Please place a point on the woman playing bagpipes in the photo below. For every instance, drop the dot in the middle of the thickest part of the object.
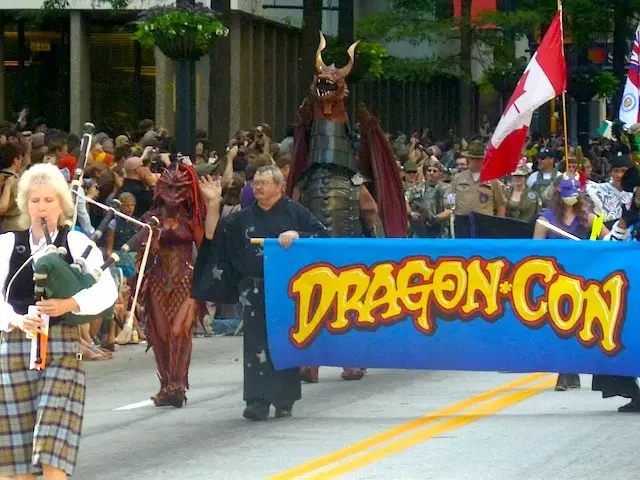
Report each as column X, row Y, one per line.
column 41, row 409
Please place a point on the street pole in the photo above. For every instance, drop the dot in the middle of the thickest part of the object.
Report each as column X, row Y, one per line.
column 186, row 101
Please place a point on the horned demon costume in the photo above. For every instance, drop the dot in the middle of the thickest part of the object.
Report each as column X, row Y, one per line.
column 342, row 189
column 165, row 295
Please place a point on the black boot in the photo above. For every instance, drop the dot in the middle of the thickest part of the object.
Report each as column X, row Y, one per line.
column 574, row 380
column 632, row 407
column 562, row 383
column 256, row 411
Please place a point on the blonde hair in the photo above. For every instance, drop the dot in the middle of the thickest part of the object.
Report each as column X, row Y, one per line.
column 127, row 197
column 45, row 174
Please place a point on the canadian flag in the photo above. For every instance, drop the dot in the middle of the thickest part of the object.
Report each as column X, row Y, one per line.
column 544, row 78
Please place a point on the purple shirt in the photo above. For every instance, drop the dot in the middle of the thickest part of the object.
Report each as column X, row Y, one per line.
column 576, row 228
column 247, row 198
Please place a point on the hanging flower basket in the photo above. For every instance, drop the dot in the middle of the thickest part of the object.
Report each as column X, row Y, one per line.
column 504, row 77
column 185, row 32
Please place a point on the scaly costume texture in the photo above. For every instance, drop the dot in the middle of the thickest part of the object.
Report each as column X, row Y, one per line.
column 165, row 295
column 342, row 189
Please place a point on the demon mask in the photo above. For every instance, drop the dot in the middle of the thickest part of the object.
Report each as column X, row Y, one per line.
column 176, row 185
column 329, row 84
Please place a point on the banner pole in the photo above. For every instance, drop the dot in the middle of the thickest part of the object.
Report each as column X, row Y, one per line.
column 564, row 98
column 256, row 241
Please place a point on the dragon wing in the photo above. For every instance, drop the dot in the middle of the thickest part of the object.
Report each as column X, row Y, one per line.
column 376, row 160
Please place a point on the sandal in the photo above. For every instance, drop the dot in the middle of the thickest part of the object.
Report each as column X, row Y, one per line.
column 92, row 356
column 95, row 349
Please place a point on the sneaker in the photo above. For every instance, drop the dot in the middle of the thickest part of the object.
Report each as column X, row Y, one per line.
column 574, row 380
column 283, row 412
column 562, row 383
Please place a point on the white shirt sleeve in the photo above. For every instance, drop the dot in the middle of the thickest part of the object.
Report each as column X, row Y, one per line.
column 532, row 179
column 83, row 216
column 103, row 294
column 7, row 243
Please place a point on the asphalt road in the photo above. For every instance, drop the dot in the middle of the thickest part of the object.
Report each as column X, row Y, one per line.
column 390, row 425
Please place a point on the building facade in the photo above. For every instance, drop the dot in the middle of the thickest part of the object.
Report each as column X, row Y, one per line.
column 83, row 64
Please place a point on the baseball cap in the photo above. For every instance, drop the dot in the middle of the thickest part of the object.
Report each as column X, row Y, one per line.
column 544, row 153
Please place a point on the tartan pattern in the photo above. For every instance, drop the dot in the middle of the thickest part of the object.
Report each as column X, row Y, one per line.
column 40, row 412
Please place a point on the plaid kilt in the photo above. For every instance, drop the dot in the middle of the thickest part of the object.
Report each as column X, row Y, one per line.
column 40, row 412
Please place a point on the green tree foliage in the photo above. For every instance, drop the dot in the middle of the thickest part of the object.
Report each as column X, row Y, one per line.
column 417, row 21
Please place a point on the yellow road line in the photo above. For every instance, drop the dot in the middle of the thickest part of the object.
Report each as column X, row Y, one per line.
column 327, row 460
column 477, row 413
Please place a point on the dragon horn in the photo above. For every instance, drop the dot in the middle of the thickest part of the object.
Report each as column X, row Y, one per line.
column 319, row 62
column 346, row 70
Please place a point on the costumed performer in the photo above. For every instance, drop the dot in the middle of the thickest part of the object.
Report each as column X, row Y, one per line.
column 229, row 269
column 165, row 293
column 41, row 410
column 353, row 196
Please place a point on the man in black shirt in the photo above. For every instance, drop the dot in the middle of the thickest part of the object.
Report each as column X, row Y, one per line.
column 139, row 181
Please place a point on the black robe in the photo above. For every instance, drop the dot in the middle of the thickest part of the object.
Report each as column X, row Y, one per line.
column 229, row 269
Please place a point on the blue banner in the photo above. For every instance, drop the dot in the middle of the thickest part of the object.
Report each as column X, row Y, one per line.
column 476, row 305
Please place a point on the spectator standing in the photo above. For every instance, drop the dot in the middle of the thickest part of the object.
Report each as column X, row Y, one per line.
column 522, row 202
column 12, row 166
column 472, row 195
column 139, row 181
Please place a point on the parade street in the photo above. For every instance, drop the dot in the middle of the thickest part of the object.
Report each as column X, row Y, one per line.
column 391, row 425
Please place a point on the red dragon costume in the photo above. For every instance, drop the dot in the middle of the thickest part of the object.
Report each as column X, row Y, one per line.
column 165, row 295
column 344, row 190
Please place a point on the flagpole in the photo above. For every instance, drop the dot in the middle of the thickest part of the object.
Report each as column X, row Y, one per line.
column 564, row 98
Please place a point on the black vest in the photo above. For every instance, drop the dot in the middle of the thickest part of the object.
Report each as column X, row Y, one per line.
column 22, row 293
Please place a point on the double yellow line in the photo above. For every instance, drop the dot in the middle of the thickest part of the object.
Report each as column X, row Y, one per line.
column 349, row 459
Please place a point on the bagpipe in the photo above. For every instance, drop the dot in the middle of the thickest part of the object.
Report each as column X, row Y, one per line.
column 54, row 277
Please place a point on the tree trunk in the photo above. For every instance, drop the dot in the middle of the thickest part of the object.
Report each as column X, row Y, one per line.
column 311, row 25
column 219, row 124
column 466, row 120
column 346, row 29
column 621, row 34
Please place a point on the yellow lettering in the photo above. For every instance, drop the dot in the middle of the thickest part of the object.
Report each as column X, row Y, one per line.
column 560, row 289
column 383, row 281
column 485, row 284
column 444, row 283
column 607, row 315
column 356, row 280
column 355, row 296
column 522, row 290
column 421, row 291
column 320, row 281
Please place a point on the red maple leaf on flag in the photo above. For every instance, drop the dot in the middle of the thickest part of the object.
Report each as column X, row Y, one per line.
column 518, row 92
column 547, row 70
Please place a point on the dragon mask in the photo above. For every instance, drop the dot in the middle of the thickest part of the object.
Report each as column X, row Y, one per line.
column 329, row 84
